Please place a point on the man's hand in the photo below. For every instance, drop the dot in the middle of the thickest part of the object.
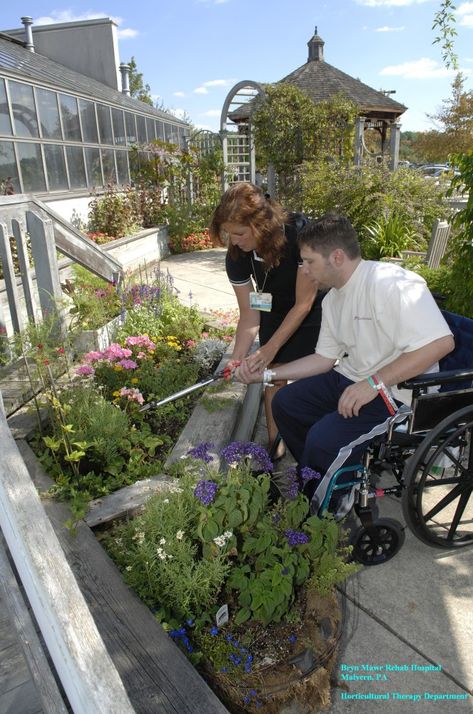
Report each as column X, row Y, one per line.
column 246, row 374
column 354, row 397
column 260, row 359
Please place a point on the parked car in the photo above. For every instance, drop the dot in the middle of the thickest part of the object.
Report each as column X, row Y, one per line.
column 437, row 171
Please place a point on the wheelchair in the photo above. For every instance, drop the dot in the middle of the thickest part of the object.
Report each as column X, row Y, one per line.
column 426, row 452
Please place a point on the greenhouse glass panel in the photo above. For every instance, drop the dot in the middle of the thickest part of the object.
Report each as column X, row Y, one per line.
column 151, row 129
column 130, row 128
column 48, row 113
column 24, row 112
column 70, row 117
column 75, row 163
column 160, row 130
column 8, row 168
column 108, row 163
column 118, row 127
column 105, row 124
column 122, row 167
column 89, row 121
column 31, row 167
column 55, row 167
column 5, row 122
column 94, row 167
column 168, row 132
column 141, row 129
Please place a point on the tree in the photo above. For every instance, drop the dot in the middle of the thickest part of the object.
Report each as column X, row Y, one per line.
column 455, row 120
column 138, row 89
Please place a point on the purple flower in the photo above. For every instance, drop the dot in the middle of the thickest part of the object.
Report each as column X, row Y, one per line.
column 308, row 474
column 206, row 491
column 292, row 483
column 292, row 639
column 235, row 659
column 235, row 452
column 296, row 537
column 214, row 631
column 201, row 452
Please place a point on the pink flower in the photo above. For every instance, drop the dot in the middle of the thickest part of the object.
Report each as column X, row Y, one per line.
column 93, row 356
column 85, row 370
column 127, row 364
column 140, row 355
column 140, row 341
column 132, row 394
column 116, row 351
column 191, row 343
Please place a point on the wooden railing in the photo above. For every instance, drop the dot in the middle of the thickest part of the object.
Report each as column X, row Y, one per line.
column 30, row 270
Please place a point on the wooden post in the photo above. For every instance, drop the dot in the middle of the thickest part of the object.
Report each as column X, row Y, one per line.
column 43, row 249
column 10, row 279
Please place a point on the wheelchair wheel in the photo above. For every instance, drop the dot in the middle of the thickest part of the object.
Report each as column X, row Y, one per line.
column 377, row 543
column 438, row 502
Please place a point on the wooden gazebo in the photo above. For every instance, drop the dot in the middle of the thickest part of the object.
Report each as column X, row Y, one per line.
column 321, row 81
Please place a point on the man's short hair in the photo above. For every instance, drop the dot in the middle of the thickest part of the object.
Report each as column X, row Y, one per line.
column 328, row 233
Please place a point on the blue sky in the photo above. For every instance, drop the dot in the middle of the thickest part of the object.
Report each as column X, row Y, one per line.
column 191, row 52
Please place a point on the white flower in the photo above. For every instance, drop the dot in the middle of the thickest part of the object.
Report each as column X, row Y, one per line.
column 118, row 541
column 162, row 541
column 128, row 568
column 139, row 537
column 228, row 535
column 180, row 535
column 220, row 541
column 161, row 553
column 166, row 500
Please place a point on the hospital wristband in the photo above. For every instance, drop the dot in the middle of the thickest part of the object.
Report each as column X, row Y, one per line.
column 377, row 383
column 268, row 375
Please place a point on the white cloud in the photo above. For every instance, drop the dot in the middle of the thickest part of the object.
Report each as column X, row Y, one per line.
column 389, row 3
column 127, row 33
column 211, row 113
column 178, row 94
column 423, row 68
column 201, row 90
column 390, row 29
column 219, row 82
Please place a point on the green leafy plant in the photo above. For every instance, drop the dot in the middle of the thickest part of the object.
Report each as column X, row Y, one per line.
column 388, row 237
column 115, row 213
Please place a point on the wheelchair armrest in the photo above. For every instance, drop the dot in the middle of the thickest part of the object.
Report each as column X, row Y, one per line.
column 436, row 378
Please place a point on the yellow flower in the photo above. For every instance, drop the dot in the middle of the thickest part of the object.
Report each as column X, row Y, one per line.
column 134, row 380
column 116, row 394
column 118, row 368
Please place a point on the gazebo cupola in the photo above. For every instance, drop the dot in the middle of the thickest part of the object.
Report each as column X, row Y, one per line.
column 316, row 48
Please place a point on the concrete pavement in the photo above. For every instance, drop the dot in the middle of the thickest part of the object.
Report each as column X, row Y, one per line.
column 407, row 644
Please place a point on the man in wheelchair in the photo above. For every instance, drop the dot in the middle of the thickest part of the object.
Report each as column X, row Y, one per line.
column 380, row 328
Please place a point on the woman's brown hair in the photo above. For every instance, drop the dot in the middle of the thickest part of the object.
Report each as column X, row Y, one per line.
column 246, row 203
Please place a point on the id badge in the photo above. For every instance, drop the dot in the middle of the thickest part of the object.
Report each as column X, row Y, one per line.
column 261, row 301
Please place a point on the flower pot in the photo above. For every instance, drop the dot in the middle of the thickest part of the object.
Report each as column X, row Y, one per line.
column 96, row 340
column 300, row 677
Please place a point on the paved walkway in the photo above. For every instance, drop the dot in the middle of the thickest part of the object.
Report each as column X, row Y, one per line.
column 408, row 634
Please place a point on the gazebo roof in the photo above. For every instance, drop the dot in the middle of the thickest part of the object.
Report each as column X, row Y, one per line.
column 322, row 81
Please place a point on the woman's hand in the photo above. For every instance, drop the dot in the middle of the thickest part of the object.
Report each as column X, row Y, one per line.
column 259, row 360
column 244, row 374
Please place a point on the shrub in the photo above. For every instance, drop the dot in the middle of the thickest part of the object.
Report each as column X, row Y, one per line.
column 199, row 240
column 367, row 195
column 116, row 213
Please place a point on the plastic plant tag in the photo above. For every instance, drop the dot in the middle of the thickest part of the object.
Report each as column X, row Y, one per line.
column 221, row 618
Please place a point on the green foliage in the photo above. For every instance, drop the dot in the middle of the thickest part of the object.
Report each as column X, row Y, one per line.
column 290, row 129
column 115, row 213
column 369, row 194
column 444, row 23
column 94, row 300
column 461, row 297
column 186, row 550
column 138, row 89
column 388, row 237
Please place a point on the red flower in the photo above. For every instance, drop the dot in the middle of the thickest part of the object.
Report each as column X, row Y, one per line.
column 61, row 350
column 40, row 347
column 45, row 361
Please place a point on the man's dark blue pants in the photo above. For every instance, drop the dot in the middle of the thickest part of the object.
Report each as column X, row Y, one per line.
column 310, row 425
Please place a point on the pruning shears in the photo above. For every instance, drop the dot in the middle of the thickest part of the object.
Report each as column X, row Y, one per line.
column 225, row 373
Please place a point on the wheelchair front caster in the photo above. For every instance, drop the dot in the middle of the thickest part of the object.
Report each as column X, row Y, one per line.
column 377, row 543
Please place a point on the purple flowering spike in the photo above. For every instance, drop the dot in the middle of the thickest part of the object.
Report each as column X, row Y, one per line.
column 201, row 452
column 308, row 474
column 206, row 491
column 296, row 537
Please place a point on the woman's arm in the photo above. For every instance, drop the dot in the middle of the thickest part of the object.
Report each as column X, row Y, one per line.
column 248, row 322
column 306, row 291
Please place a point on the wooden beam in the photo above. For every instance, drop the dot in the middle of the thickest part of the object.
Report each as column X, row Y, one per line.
column 84, row 666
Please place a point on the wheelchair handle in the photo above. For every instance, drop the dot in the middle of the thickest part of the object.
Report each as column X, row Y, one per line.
column 435, row 378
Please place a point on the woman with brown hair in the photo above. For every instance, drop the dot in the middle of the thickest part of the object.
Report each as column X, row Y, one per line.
column 275, row 298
